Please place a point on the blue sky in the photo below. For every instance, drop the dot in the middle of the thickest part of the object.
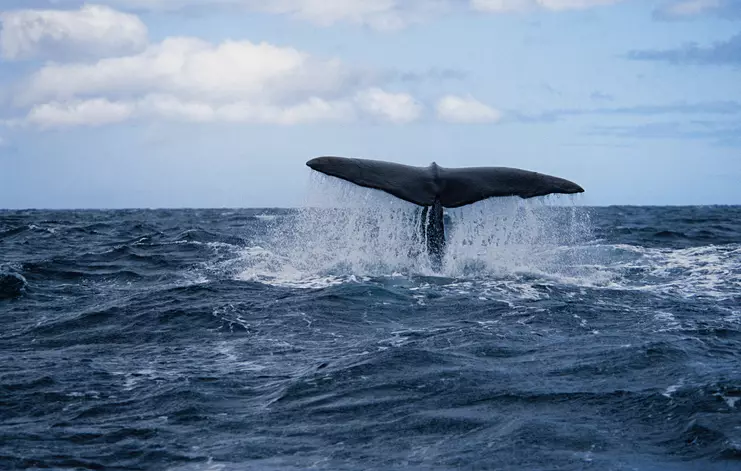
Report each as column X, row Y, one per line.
column 219, row 103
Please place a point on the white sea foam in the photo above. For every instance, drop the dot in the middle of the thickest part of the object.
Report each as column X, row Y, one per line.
column 708, row 271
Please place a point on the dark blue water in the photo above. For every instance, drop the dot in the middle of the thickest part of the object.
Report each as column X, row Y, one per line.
column 554, row 339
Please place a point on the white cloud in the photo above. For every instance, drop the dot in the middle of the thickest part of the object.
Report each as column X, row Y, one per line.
column 189, row 79
column 307, row 111
column 503, row 6
column 394, row 107
column 397, row 108
column 457, row 109
column 194, row 68
column 101, row 111
column 92, row 31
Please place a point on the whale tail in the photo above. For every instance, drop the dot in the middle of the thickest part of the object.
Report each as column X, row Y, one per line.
column 452, row 187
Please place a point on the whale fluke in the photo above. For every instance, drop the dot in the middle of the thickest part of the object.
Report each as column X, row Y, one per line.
column 453, row 187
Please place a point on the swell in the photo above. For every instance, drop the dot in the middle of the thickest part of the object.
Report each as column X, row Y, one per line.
column 430, row 395
column 160, row 314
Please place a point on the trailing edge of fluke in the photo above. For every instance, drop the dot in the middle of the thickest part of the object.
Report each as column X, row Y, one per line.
column 449, row 187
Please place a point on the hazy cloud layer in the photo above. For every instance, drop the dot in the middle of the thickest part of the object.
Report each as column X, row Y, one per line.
column 720, row 133
column 92, row 31
column 721, row 53
column 717, row 108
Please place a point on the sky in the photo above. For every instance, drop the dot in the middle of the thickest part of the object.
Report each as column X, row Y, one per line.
column 219, row 103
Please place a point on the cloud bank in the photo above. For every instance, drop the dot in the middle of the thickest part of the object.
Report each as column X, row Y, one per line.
column 101, row 70
column 194, row 80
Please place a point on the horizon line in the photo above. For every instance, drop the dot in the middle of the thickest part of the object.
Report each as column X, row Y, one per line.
column 212, row 208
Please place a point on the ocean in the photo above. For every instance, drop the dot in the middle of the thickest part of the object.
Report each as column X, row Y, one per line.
column 556, row 336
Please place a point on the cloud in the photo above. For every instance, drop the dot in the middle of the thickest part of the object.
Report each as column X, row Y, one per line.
column 189, row 79
column 721, row 53
column 398, row 108
column 455, row 109
column 687, row 9
column 310, row 110
column 101, row 111
column 189, row 67
column 394, row 107
column 91, row 31
column 93, row 112
column 504, row 6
